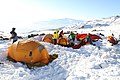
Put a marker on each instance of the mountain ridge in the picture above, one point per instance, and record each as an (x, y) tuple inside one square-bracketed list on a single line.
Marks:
[(103, 22)]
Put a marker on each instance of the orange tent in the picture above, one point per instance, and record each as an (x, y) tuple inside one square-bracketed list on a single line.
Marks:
[(48, 38), (62, 41), (28, 51)]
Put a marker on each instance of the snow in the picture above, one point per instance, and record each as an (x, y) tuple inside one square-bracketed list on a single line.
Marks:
[(86, 63)]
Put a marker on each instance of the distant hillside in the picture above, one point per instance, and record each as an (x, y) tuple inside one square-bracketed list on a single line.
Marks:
[(74, 24), (56, 23), (114, 20)]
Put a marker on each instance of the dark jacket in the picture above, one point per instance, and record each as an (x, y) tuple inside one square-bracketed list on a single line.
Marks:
[(14, 36)]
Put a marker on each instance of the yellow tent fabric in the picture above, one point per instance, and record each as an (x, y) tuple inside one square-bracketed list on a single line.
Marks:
[(62, 41), (28, 51), (48, 38)]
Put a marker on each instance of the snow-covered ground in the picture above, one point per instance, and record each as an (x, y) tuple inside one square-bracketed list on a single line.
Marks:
[(86, 63)]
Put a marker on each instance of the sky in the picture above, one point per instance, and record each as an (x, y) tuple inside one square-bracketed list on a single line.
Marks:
[(23, 13)]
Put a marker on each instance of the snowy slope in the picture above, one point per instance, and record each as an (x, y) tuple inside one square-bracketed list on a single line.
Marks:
[(95, 23)]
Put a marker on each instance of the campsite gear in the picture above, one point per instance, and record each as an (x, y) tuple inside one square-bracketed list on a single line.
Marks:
[(92, 36), (39, 64), (76, 46), (48, 38), (89, 40), (112, 40), (28, 51), (62, 41), (83, 40)]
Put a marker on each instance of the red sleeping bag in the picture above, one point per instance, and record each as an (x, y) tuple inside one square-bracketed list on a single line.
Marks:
[(92, 36)]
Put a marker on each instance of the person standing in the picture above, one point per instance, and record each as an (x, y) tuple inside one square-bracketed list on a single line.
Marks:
[(13, 35), (55, 36)]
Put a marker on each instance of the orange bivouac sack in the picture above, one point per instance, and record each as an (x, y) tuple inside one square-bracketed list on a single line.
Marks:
[(111, 40)]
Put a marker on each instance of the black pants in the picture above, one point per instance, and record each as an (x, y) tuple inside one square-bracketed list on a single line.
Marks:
[(14, 41), (55, 41)]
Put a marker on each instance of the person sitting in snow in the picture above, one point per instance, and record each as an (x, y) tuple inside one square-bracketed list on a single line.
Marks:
[(13, 35), (112, 40), (71, 38), (88, 39), (61, 34)]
